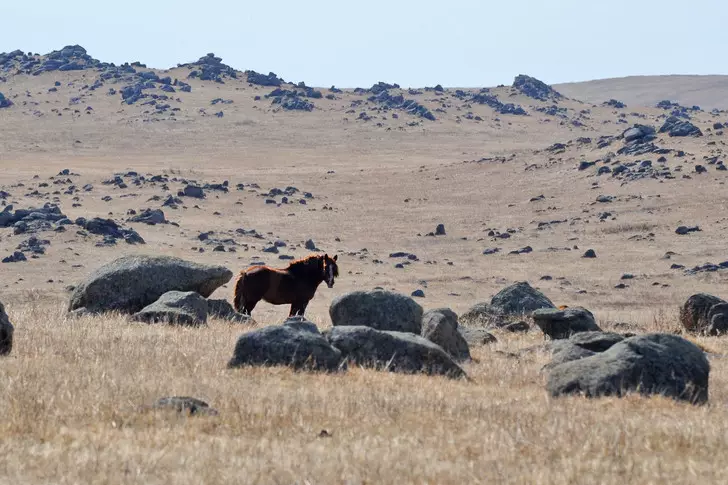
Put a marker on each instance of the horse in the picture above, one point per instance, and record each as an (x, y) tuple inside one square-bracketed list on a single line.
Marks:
[(294, 285)]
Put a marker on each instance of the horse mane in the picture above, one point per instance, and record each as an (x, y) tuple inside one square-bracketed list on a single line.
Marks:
[(302, 263)]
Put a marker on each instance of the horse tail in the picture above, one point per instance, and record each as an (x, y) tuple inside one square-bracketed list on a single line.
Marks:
[(238, 303)]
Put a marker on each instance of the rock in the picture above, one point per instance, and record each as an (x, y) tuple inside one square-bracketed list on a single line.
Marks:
[(638, 133), (518, 299), (185, 404), (16, 257), (223, 310), (393, 351), (705, 314), (418, 294), (310, 245), (675, 126), (6, 332), (476, 336), (132, 282), (683, 230), (561, 324), (379, 309), (5, 102), (440, 230), (596, 341), (175, 307), (534, 88), (589, 253), (193, 191), (150, 216), (441, 327), (297, 343), (660, 364)]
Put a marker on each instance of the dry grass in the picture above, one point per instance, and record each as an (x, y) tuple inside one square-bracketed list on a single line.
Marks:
[(73, 390), (629, 227)]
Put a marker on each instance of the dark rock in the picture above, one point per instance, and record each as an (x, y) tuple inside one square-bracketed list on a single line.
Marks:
[(519, 299), (661, 364), (675, 126), (297, 343), (589, 253), (193, 191), (683, 230), (392, 351), (223, 310), (6, 332), (130, 283), (16, 257), (150, 216), (517, 327), (561, 324), (705, 314), (379, 309), (440, 230), (534, 88)]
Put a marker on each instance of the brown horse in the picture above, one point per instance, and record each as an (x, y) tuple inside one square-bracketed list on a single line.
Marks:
[(294, 285)]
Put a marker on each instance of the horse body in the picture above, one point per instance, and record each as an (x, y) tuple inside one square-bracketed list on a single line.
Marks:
[(295, 285)]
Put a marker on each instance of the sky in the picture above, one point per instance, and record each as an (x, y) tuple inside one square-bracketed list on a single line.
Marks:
[(455, 43)]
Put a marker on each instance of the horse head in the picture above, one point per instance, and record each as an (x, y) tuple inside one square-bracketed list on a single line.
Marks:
[(331, 269)]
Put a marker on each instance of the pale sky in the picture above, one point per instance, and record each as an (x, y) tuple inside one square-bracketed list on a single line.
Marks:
[(456, 43)]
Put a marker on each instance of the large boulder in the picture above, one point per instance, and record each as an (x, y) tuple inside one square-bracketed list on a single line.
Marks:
[(560, 324), (132, 282), (705, 314), (393, 351), (379, 309), (476, 336), (518, 299), (441, 327), (297, 343), (675, 126), (6, 332), (661, 364), (175, 307), (511, 302)]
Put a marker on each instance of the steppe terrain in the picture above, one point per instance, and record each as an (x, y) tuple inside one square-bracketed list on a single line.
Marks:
[(512, 168)]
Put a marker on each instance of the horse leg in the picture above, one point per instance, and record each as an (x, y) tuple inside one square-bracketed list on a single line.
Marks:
[(249, 305), (298, 308)]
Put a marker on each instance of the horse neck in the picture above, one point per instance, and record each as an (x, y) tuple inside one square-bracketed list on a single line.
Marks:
[(310, 273)]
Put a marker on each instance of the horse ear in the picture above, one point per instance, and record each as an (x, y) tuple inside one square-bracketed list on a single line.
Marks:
[(336, 256)]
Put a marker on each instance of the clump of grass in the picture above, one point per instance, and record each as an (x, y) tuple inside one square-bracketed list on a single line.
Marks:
[(629, 227)]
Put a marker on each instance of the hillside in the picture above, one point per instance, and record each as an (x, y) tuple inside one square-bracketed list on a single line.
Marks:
[(708, 92), (598, 197)]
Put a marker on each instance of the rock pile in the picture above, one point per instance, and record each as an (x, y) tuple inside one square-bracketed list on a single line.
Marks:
[(534, 88), (491, 100)]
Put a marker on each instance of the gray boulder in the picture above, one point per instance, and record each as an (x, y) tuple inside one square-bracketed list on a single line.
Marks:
[(441, 327), (175, 307), (511, 302), (519, 299), (705, 314), (661, 364), (149, 216), (393, 351), (297, 343), (560, 324), (580, 345), (132, 282), (6, 332), (379, 309)]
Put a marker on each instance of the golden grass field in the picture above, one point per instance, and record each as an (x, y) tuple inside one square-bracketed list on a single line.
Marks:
[(74, 389)]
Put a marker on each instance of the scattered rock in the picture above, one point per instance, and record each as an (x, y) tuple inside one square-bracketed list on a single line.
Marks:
[(675, 126), (518, 299), (476, 336), (589, 253), (683, 230), (16, 257), (534, 88), (149, 216), (223, 310)]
